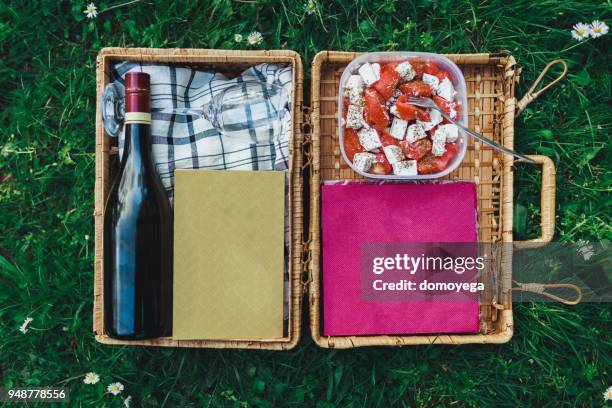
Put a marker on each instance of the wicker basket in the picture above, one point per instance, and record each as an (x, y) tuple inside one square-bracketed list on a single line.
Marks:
[(491, 109), (231, 62)]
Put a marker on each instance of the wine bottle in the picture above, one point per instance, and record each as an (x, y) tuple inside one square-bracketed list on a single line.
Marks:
[(137, 231)]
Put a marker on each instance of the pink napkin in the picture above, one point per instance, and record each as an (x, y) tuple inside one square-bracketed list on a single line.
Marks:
[(358, 213)]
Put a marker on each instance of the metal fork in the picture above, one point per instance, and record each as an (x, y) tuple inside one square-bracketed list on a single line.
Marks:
[(428, 103)]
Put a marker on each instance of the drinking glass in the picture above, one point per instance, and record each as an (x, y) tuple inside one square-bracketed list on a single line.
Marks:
[(245, 109)]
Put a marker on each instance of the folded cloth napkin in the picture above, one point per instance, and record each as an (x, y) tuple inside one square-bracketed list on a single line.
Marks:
[(190, 142), (355, 214)]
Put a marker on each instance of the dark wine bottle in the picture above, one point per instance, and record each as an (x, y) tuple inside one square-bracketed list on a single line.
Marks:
[(137, 231)]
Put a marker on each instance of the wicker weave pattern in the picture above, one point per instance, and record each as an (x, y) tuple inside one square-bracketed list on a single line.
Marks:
[(106, 166), (490, 85)]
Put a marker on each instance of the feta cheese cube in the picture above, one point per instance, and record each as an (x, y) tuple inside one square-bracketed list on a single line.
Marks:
[(354, 117), (354, 89), (438, 143), (432, 81), (394, 153), (398, 128), (369, 73), (415, 132), (363, 161), (406, 71), (438, 149), (435, 117), (355, 82), (449, 131), (355, 96), (405, 168), (446, 90), (439, 135), (376, 68), (369, 138)]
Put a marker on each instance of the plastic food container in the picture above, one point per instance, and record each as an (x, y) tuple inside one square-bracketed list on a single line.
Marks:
[(457, 80)]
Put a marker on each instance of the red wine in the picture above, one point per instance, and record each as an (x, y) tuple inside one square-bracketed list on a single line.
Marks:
[(137, 231)]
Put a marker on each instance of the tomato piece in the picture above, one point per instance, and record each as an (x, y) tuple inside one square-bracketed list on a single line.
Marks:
[(410, 112), (387, 140), (431, 68), (430, 164), (381, 165), (388, 81), (416, 150), (443, 74), (435, 164), (449, 108), (457, 107), (445, 105), (423, 115), (392, 64), (375, 111), (418, 67), (416, 88), (351, 143), (405, 110), (345, 105), (451, 151)]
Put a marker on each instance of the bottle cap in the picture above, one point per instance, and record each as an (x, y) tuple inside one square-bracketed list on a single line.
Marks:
[(137, 81), (137, 92)]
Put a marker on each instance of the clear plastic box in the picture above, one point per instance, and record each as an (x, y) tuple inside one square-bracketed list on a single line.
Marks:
[(461, 97)]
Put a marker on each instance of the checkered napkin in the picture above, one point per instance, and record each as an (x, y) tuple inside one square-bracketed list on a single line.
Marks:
[(191, 142)]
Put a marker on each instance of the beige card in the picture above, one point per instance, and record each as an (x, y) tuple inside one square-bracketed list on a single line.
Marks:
[(228, 254)]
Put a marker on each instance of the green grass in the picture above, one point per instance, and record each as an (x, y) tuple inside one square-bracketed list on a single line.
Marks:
[(559, 355)]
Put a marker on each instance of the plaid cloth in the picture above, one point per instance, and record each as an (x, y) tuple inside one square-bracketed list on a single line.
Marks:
[(191, 142)]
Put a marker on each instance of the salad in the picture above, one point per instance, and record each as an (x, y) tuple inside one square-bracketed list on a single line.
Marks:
[(384, 134)]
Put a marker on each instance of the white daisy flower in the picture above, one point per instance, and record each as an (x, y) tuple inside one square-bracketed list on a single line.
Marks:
[(91, 11), (238, 38), (24, 326), (115, 388), (580, 31), (127, 401), (255, 38), (91, 378), (608, 394), (598, 28), (311, 6)]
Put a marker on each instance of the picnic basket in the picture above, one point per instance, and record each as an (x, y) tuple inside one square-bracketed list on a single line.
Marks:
[(229, 62), (315, 157), (492, 107)]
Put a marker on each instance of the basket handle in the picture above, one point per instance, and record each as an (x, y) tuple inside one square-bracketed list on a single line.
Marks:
[(540, 289), (531, 94), (547, 203)]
